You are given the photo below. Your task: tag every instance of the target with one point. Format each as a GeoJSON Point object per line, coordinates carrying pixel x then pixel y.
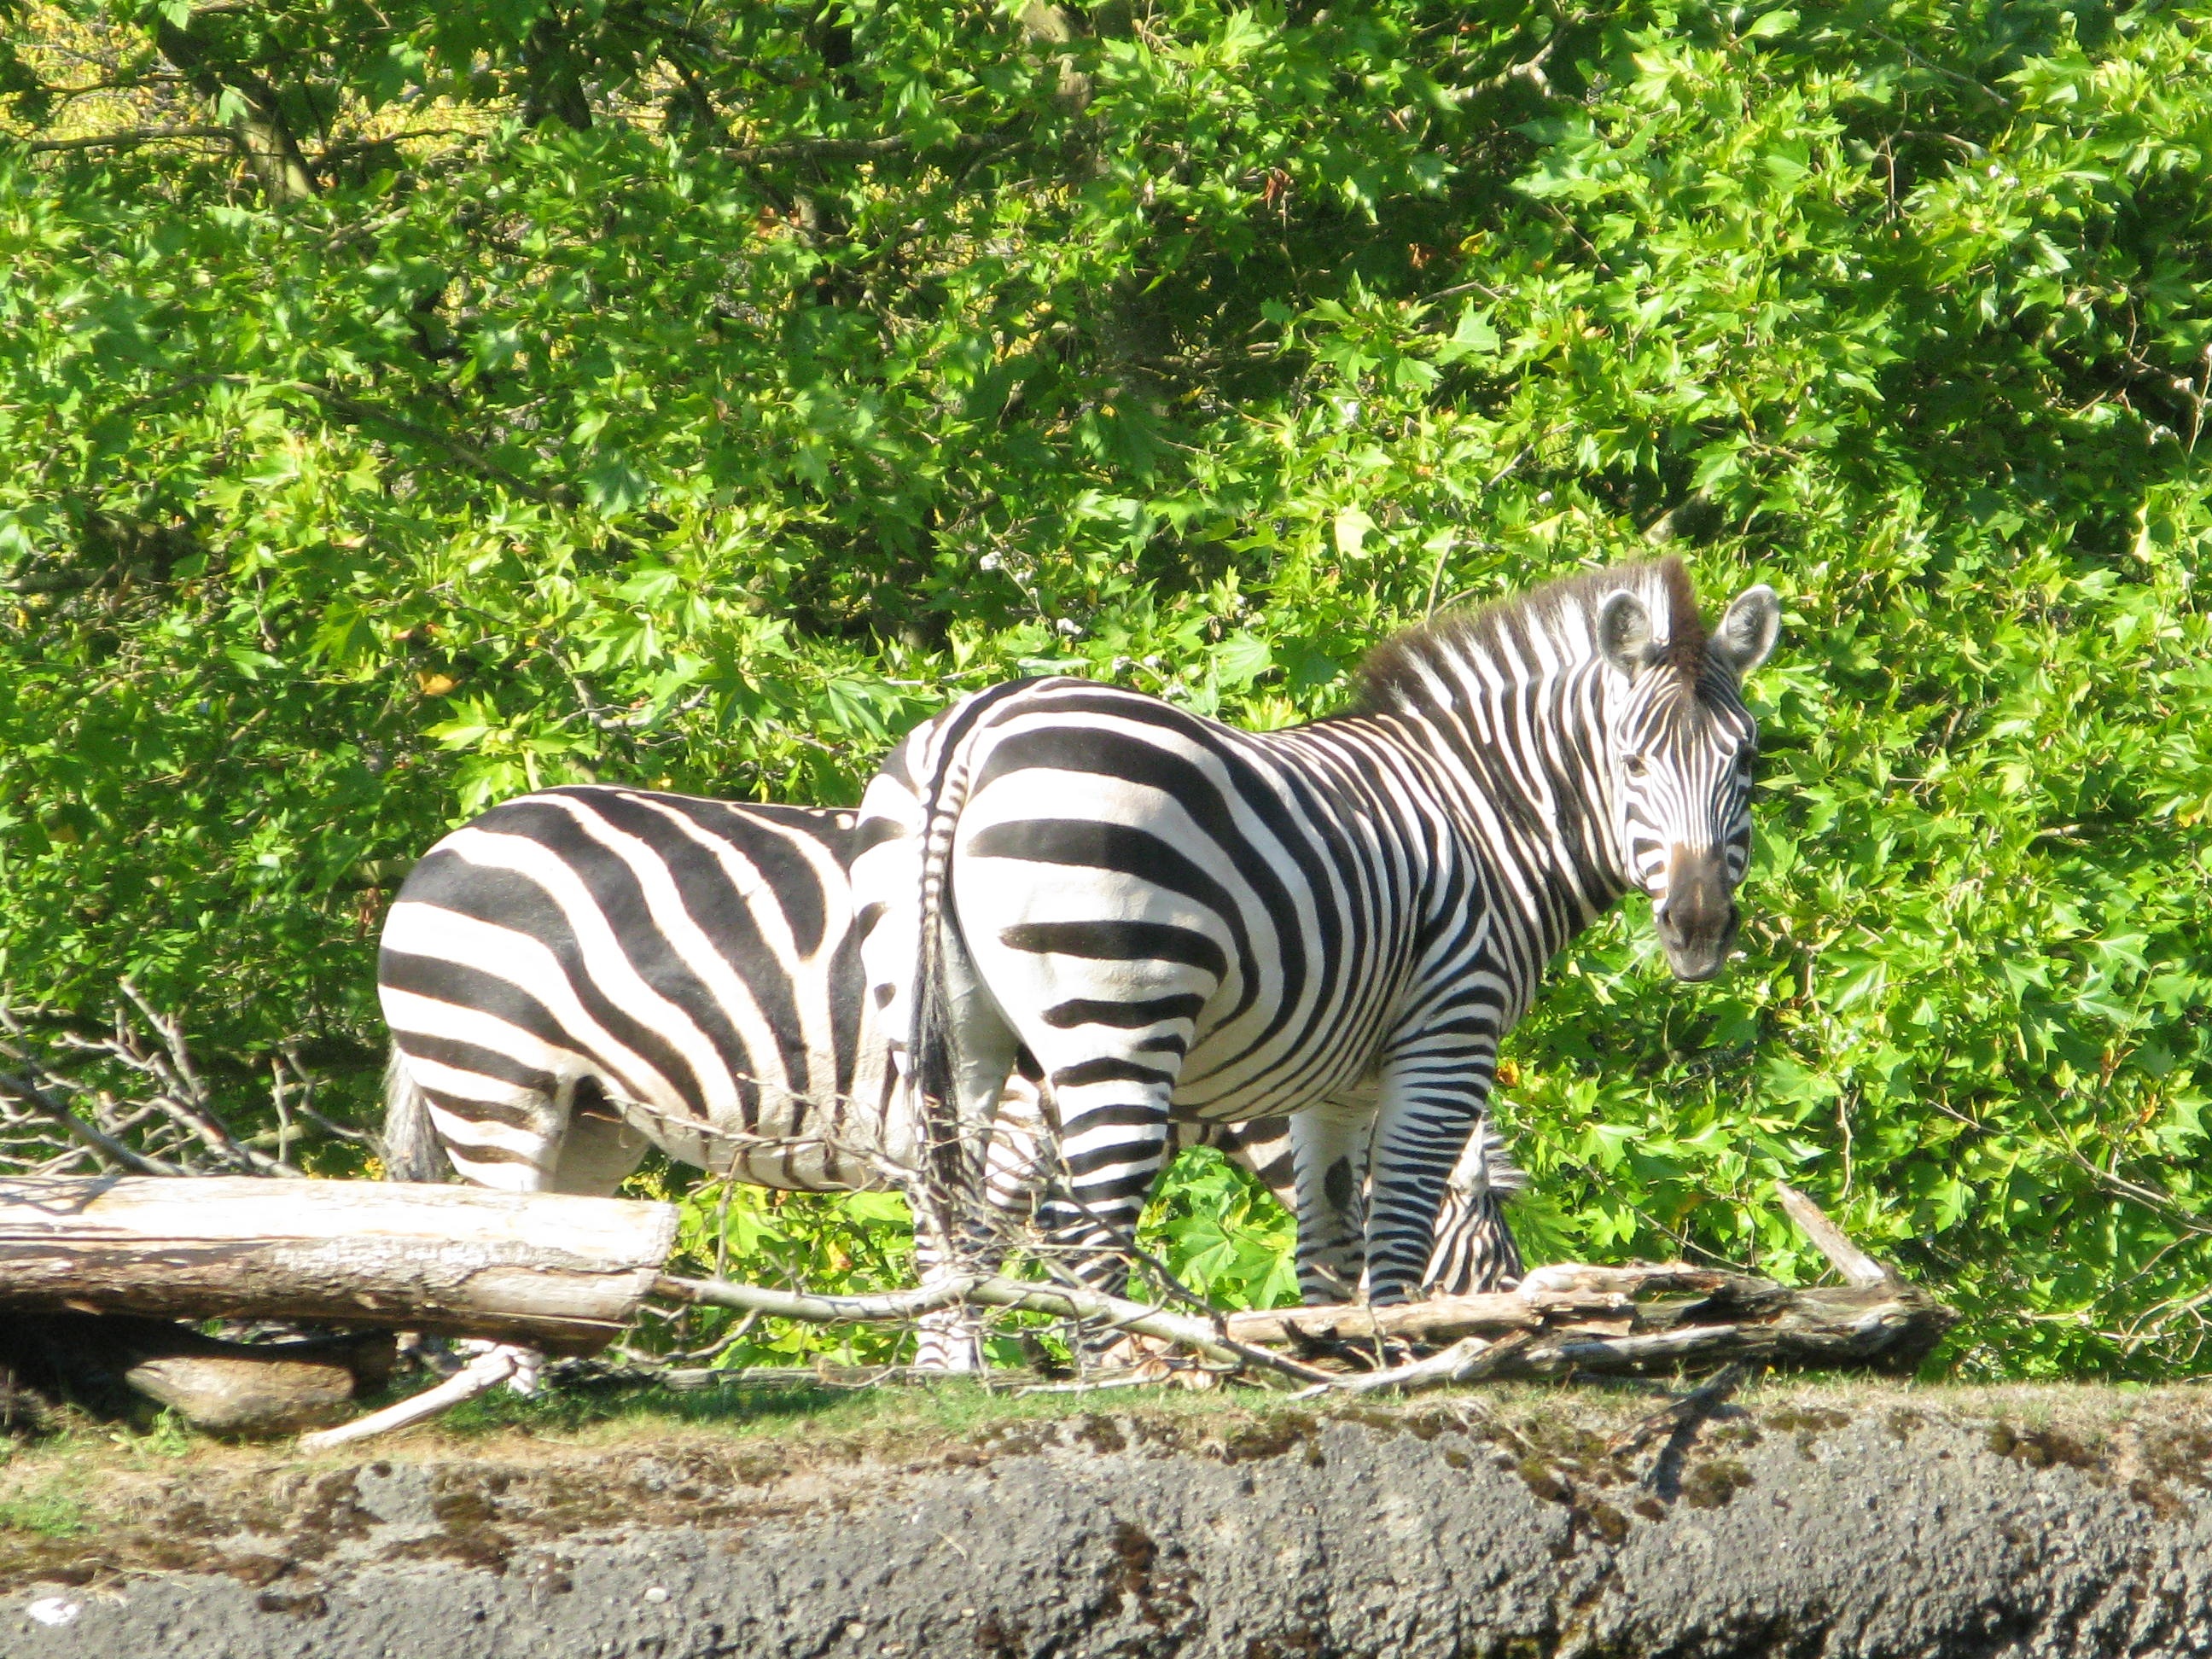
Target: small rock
{"type": "Point", "coordinates": [54, 1610]}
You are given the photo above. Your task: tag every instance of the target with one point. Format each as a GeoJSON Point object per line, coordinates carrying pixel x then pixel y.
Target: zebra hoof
{"type": "Point", "coordinates": [529, 1364]}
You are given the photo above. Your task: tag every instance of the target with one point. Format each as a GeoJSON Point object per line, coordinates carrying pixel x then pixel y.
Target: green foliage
{"type": "Point", "coordinates": [47, 1511]}
{"type": "Point", "coordinates": [1222, 1235]}
{"type": "Point", "coordinates": [854, 1242]}
{"type": "Point", "coordinates": [699, 396]}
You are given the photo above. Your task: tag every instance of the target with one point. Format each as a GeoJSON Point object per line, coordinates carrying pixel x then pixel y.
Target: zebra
{"type": "Point", "coordinates": [583, 973]}
{"type": "Point", "coordinates": [1338, 921]}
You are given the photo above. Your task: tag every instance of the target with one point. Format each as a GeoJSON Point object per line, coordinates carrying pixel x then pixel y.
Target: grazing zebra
{"type": "Point", "coordinates": [1339, 920]}
{"type": "Point", "coordinates": [585, 972]}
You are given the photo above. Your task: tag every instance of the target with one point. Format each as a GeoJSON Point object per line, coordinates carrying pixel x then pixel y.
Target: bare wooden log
{"type": "Point", "coordinates": [561, 1274]}
{"type": "Point", "coordinates": [1636, 1279]}
{"type": "Point", "coordinates": [1594, 1298]}
{"type": "Point", "coordinates": [1574, 1320]}
{"type": "Point", "coordinates": [1441, 1319]}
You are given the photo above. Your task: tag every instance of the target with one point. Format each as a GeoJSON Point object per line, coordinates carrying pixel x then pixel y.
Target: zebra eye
{"type": "Point", "coordinates": [1635, 765]}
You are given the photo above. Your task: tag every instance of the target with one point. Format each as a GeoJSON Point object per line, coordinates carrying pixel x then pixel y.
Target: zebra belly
{"type": "Point", "coordinates": [1230, 1094]}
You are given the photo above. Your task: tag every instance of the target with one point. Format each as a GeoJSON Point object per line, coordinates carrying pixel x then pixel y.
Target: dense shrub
{"type": "Point", "coordinates": [459, 399]}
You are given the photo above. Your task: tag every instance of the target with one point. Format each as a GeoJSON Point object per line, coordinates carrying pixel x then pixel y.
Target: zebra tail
{"type": "Point", "coordinates": [411, 1150]}
{"type": "Point", "coordinates": [932, 1036]}
{"type": "Point", "coordinates": [930, 1042]}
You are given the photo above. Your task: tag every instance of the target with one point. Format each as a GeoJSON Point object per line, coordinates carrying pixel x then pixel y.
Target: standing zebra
{"type": "Point", "coordinates": [585, 972]}
{"type": "Point", "coordinates": [1340, 920]}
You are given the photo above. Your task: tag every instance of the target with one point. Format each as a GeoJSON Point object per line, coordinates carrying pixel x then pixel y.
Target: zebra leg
{"type": "Point", "coordinates": [1429, 1106]}
{"type": "Point", "coordinates": [1474, 1248]}
{"type": "Point", "coordinates": [951, 1339]}
{"type": "Point", "coordinates": [1114, 1144]}
{"type": "Point", "coordinates": [1330, 1151]}
{"type": "Point", "coordinates": [500, 1134]}
{"type": "Point", "coordinates": [515, 1144]}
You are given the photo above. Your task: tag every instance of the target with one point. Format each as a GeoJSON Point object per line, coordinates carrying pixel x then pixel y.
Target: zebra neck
{"type": "Point", "coordinates": [1524, 765]}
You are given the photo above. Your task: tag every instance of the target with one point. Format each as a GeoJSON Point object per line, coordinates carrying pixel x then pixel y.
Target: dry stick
{"type": "Point", "coordinates": [184, 1095]}
{"type": "Point", "coordinates": [989, 1291]}
{"type": "Point", "coordinates": [1857, 1266]}
{"type": "Point", "coordinates": [125, 140]}
{"type": "Point", "coordinates": [22, 1088]}
{"type": "Point", "coordinates": [1468, 1360]}
{"type": "Point", "coordinates": [482, 1375]}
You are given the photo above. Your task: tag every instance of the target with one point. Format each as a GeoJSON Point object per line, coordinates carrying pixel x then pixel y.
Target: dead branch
{"type": "Point", "coordinates": [481, 1375]}
{"type": "Point", "coordinates": [565, 1274]}
{"type": "Point", "coordinates": [133, 1097]}
{"type": "Point", "coordinates": [1857, 1266]}
{"type": "Point", "coordinates": [1088, 1307]}
{"type": "Point", "coordinates": [127, 140]}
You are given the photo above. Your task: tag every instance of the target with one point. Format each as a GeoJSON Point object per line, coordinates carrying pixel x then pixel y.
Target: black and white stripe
{"type": "Point", "coordinates": [583, 973]}
{"type": "Point", "coordinates": [1340, 920]}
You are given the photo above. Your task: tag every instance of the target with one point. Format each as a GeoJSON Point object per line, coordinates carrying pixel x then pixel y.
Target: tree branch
{"type": "Point", "coordinates": [469, 456]}
{"type": "Point", "coordinates": [129, 139]}
{"type": "Point", "coordinates": [862, 149]}
{"type": "Point", "coordinates": [1857, 1266]}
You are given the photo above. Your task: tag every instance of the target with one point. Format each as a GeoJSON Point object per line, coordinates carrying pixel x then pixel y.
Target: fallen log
{"type": "Point", "coordinates": [1636, 1320]}
{"type": "Point", "coordinates": [1889, 1326]}
{"type": "Point", "coordinates": [562, 1274]}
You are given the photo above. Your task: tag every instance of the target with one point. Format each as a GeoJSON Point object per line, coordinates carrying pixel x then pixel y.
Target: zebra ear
{"type": "Point", "coordinates": [1747, 632]}
{"type": "Point", "coordinates": [1624, 633]}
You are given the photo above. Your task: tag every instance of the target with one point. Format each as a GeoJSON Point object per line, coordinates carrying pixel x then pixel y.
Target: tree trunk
{"type": "Point", "coordinates": [256, 115]}
{"type": "Point", "coordinates": [562, 1273]}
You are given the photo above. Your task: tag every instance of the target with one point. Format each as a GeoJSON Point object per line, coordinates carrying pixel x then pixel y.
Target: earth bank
{"type": "Point", "coordinates": [1809, 1519]}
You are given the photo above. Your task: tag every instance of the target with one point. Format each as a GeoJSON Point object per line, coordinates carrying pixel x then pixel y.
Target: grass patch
{"type": "Point", "coordinates": [46, 1511]}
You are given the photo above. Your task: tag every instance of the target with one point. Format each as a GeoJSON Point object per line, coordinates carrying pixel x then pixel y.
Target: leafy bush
{"type": "Point", "coordinates": [445, 400]}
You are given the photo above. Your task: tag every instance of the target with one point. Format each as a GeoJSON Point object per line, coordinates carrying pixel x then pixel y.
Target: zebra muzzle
{"type": "Point", "coordinates": [1696, 915]}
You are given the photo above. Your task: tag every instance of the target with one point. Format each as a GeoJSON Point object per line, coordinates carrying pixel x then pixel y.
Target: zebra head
{"type": "Point", "coordinates": [1680, 750]}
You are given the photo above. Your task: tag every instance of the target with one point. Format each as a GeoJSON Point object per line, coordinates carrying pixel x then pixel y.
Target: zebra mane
{"type": "Point", "coordinates": [1563, 611]}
